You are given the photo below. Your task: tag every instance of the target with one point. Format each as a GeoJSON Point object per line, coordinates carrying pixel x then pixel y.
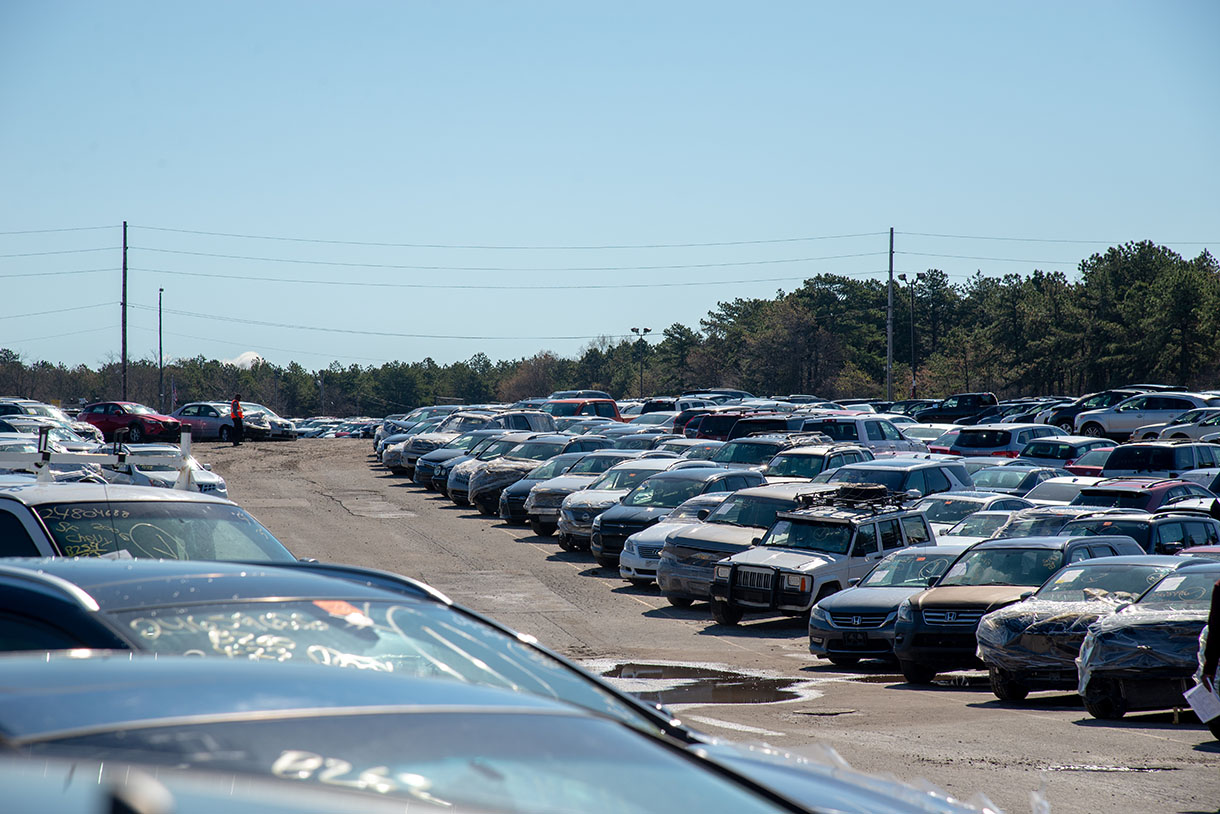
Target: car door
{"type": "Point", "coordinates": [864, 553]}
{"type": "Point", "coordinates": [1134, 413]}
{"type": "Point", "coordinates": [897, 441]}
{"type": "Point", "coordinates": [876, 437]}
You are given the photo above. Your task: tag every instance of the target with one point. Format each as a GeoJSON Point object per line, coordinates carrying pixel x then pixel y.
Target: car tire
{"type": "Point", "coordinates": [1104, 700]}
{"type": "Point", "coordinates": [225, 434]}
{"type": "Point", "coordinates": [1067, 426]}
{"type": "Point", "coordinates": [679, 601]}
{"type": "Point", "coordinates": [135, 433]}
{"type": "Point", "coordinates": [916, 673]}
{"type": "Point", "coordinates": [1005, 687]}
{"type": "Point", "coordinates": [1093, 430]}
{"type": "Point", "coordinates": [545, 529]}
{"type": "Point", "coordinates": [564, 540]}
{"type": "Point", "coordinates": [483, 508]}
{"type": "Point", "coordinates": [640, 582]}
{"type": "Point", "coordinates": [1214, 726]}
{"type": "Point", "coordinates": [843, 661]}
{"type": "Point", "coordinates": [724, 613]}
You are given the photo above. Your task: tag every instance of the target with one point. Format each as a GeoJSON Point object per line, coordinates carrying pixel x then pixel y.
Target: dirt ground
{"type": "Point", "coordinates": [331, 500]}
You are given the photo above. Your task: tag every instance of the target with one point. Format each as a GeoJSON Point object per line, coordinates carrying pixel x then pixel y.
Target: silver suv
{"type": "Point", "coordinates": [1121, 420]}
{"type": "Point", "coordinates": [834, 538]}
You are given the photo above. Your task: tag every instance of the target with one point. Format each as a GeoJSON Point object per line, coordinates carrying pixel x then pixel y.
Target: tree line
{"type": "Point", "coordinates": [1136, 313]}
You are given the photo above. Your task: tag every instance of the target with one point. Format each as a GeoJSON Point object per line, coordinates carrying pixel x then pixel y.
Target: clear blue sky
{"type": "Point", "coordinates": [558, 124]}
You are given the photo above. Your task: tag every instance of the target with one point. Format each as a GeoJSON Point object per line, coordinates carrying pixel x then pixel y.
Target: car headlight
{"type": "Point", "coordinates": [597, 523]}
{"type": "Point", "coordinates": [906, 613]}
{"type": "Point", "coordinates": [722, 573]}
{"type": "Point", "coordinates": [629, 547]}
{"type": "Point", "coordinates": [816, 614]}
{"type": "Point", "coordinates": [796, 582]}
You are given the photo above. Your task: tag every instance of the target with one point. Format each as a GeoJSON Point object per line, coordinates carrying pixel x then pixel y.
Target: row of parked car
{"type": "Point", "coordinates": [163, 650]}
{"type": "Point", "coordinates": [916, 557]}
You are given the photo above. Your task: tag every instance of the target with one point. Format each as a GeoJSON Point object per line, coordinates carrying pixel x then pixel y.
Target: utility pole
{"type": "Point", "coordinates": [123, 303]}
{"type": "Point", "coordinates": [160, 359]}
{"type": "Point", "coordinates": [889, 327]}
{"type": "Point", "coordinates": [914, 280]}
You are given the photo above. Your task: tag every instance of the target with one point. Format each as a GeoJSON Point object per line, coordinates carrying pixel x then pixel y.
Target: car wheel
{"type": "Point", "coordinates": [135, 433]}
{"type": "Point", "coordinates": [1104, 699]}
{"type": "Point", "coordinates": [225, 434]}
{"type": "Point", "coordinates": [545, 529]}
{"type": "Point", "coordinates": [564, 540]}
{"type": "Point", "coordinates": [1067, 426]}
{"type": "Point", "coordinates": [483, 508]}
{"type": "Point", "coordinates": [843, 661]}
{"type": "Point", "coordinates": [679, 601]}
{"type": "Point", "coordinates": [916, 673]}
{"type": "Point", "coordinates": [1093, 430]}
{"type": "Point", "coordinates": [724, 613]}
{"type": "Point", "coordinates": [640, 583]}
{"type": "Point", "coordinates": [1214, 726]}
{"type": "Point", "coordinates": [825, 591]}
{"type": "Point", "coordinates": [1005, 687]}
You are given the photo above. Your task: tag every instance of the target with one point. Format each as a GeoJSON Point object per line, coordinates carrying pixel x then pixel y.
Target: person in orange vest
{"type": "Point", "coordinates": [237, 415]}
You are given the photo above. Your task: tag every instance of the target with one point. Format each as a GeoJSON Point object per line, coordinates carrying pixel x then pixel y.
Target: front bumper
{"type": "Point", "coordinates": [828, 637]}
{"type": "Point", "coordinates": [773, 596]}
{"type": "Point", "coordinates": [685, 580]}
{"type": "Point", "coordinates": [945, 646]}
{"type": "Point", "coordinates": [633, 564]}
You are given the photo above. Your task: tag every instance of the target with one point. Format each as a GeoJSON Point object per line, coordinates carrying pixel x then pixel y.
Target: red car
{"type": "Point", "coordinates": [142, 424]}
{"type": "Point", "coordinates": [1091, 463]}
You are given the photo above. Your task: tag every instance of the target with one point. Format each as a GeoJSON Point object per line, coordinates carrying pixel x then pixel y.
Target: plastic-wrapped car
{"type": "Point", "coordinates": [1144, 656]}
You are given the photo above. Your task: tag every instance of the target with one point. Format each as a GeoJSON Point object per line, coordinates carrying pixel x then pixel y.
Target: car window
{"type": "Point", "coordinates": [24, 633]}
{"type": "Point", "coordinates": [15, 541]}
{"type": "Point", "coordinates": [916, 530]}
{"type": "Point", "coordinates": [891, 537]}
{"type": "Point", "coordinates": [873, 429]}
{"type": "Point", "coordinates": [915, 480]}
{"type": "Point", "coordinates": [604, 409]}
{"type": "Point", "coordinates": [935, 481]}
{"type": "Point", "coordinates": [890, 431]}
{"type": "Point", "coordinates": [866, 541]}
{"type": "Point", "coordinates": [1078, 554]}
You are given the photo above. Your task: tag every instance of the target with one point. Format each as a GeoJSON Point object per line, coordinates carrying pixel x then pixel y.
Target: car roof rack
{"type": "Point", "coordinates": [40, 462]}
{"type": "Point", "coordinates": [854, 496]}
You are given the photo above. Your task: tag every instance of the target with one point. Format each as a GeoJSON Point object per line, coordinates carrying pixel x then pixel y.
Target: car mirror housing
{"type": "Point", "coordinates": [703, 513]}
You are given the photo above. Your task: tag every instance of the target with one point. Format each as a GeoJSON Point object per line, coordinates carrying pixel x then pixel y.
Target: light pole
{"type": "Point", "coordinates": [160, 358]}
{"type": "Point", "coordinates": [914, 280]}
{"type": "Point", "coordinates": [640, 345]}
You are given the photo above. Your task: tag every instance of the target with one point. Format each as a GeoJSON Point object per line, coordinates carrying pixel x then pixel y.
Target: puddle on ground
{"type": "Point", "coordinates": [1088, 768]}
{"type": "Point", "coordinates": [673, 684]}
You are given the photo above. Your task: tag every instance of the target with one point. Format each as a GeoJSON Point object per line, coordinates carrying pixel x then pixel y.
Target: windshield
{"type": "Point", "coordinates": [891, 479]}
{"type": "Point", "coordinates": [747, 510]}
{"type": "Point", "coordinates": [561, 408]}
{"type": "Point", "coordinates": [160, 529]}
{"type": "Point", "coordinates": [838, 430]}
{"type": "Point", "coordinates": [700, 452]}
{"type": "Point", "coordinates": [1050, 491]}
{"type": "Point", "coordinates": [977, 525]}
{"type": "Point", "coordinates": [922, 433]}
{"type": "Point", "coordinates": [482, 445]}
{"type": "Point", "coordinates": [461, 423]}
{"type": "Point", "coordinates": [462, 442]}
{"type": "Point", "coordinates": [137, 409]}
{"type": "Point", "coordinates": [1085, 583]}
{"type": "Point", "coordinates": [535, 451]}
{"type": "Point", "coordinates": [419, 639]}
{"type": "Point", "coordinates": [594, 464]}
{"type": "Point", "coordinates": [1000, 477]}
{"type": "Point", "coordinates": [459, 760]}
{"type": "Point", "coordinates": [908, 571]}
{"type": "Point", "coordinates": [1004, 566]}
{"type": "Point", "coordinates": [1138, 530]}
{"type": "Point", "coordinates": [1181, 592]}
{"type": "Point", "coordinates": [143, 466]}
{"type": "Point", "coordinates": [551, 469]}
{"type": "Point", "coordinates": [734, 453]}
{"type": "Point", "coordinates": [795, 466]}
{"type": "Point", "coordinates": [947, 509]}
{"type": "Point", "coordinates": [1037, 526]}
{"type": "Point", "coordinates": [496, 448]}
{"type": "Point", "coordinates": [828, 538]}
{"type": "Point", "coordinates": [1117, 499]}
{"type": "Point", "coordinates": [1141, 459]}
{"type": "Point", "coordinates": [653, 418]}
{"type": "Point", "coordinates": [691, 508]}
{"type": "Point", "coordinates": [666, 493]}
{"type": "Point", "coordinates": [627, 478]}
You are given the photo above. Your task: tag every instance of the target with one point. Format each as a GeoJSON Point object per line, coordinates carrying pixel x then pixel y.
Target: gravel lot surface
{"type": "Point", "coordinates": [331, 500]}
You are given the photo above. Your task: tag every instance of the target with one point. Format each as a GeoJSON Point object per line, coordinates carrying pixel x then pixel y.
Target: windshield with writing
{"type": "Point", "coordinates": [747, 510]}
{"type": "Point", "coordinates": [828, 538]}
{"type": "Point", "coordinates": [413, 639]}
{"type": "Point", "coordinates": [1083, 583]}
{"type": "Point", "coordinates": [1004, 566]}
{"type": "Point", "coordinates": [160, 529]}
{"type": "Point", "coordinates": [795, 466]}
{"type": "Point", "coordinates": [622, 479]}
{"type": "Point", "coordinates": [908, 570]}
{"type": "Point", "coordinates": [1181, 592]}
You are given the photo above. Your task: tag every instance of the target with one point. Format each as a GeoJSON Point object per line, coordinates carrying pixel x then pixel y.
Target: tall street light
{"type": "Point", "coordinates": [914, 280]}
{"type": "Point", "coordinates": [640, 345]}
{"type": "Point", "coordinates": [160, 358]}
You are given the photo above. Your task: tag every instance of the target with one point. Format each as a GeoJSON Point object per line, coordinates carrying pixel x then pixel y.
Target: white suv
{"type": "Point", "coordinates": [878, 434]}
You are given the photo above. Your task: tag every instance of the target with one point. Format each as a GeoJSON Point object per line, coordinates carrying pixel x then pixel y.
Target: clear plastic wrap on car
{"type": "Point", "coordinates": [1136, 643]}
{"type": "Point", "coordinates": [1038, 634]}
{"type": "Point", "coordinates": [500, 473]}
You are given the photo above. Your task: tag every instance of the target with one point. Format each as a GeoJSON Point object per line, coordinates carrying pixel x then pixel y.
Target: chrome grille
{"type": "Point", "coordinates": [649, 552]}
{"type": "Point", "coordinates": [548, 500]}
{"type": "Point", "coordinates": [857, 619]}
{"type": "Point", "coordinates": [952, 617]}
{"type": "Point", "coordinates": [760, 578]}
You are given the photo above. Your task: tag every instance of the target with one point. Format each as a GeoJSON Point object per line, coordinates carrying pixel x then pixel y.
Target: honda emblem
{"type": "Point", "coordinates": [855, 621]}
{"type": "Point", "coordinates": [951, 616]}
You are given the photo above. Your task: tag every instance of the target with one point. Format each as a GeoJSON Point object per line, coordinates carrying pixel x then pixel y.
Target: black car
{"type": "Point", "coordinates": [655, 498]}
{"type": "Point", "coordinates": [961, 405]}
{"type": "Point", "coordinates": [512, 497]}
{"type": "Point", "coordinates": [1064, 417]}
{"type": "Point", "coordinates": [426, 465]}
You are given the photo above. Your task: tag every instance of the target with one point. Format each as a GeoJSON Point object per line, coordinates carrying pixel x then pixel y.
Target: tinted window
{"type": "Point", "coordinates": [15, 541]}
{"type": "Point", "coordinates": [891, 479]}
{"type": "Point", "coordinates": [838, 430]}
{"type": "Point", "coordinates": [874, 431]}
{"type": "Point", "coordinates": [605, 409]}
{"type": "Point", "coordinates": [1140, 458]}
{"type": "Point", "coordinates": [915, 480]}
{"type": "Point", "coordinates": [935, 481]}
{"type": "Point", "coordinates": [23, 633]}
{"type": "Point", "coordinates": [980, 439]}
{"type": "Point", "coordinates": [891, 537]}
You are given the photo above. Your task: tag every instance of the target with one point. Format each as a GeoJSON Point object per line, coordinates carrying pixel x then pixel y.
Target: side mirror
{"type": "Point", "coordinates": [1025, 595]}
{"type": "Point", "coordinates": [932, 581]}
{"type": "Point", "coordinates": [853, 582]}
{"type": "Point", "coordinates": [208, 467]}
{"type": "Point", "coordinates": [913, 494]}
{"type": "Point", "coordinates": [756, 541]}
{"type": "Point", "coordinates": [703, 513]}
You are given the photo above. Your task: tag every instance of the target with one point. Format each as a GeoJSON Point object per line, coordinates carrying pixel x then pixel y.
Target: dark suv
{"type": "Point", "coordinates": [962, 405]}
{"type": "Point", "coordinates": [1064, 417]}
{"type": "Point", "coordinates": [1165, 459]}
{"type": "Point", "coordinates": [1165, 531]}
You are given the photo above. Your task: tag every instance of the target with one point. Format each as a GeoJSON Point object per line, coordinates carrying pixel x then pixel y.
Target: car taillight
{"type": "Point", "coordinates": [1004, 454]}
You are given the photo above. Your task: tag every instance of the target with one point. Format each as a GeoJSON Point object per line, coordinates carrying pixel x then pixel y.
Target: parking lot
{"type": "Point", "coordinates": [331, 500]}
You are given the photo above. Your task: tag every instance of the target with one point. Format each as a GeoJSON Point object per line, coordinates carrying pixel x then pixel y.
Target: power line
{"type": "Point", "coordinates": [512, 269]}
{"type": "Point", "coordinates": [456, 286]}
{"type": "Point", "coordinates": [511, 247]}
{"type": "Point", "coordinates": [992, 259]}
{"type": "Point", "coordinates": [1052, 239]}
{"type": "Point", "coordinates": [64, 251]}
{"type": "Point", "coordinates": [59, 310]}
{"type": "Point", "coordinates": [62, 229]}
{"type": "Point", "coordinates": [57, 335]}
{"type": "Point", "coordinates": [246, 345]}
{"type": "Point", "coordinates": [266, 324]}
{"type": "Point", "coordinates": [53, 273]}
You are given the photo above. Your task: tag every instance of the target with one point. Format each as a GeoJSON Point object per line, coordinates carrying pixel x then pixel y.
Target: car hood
{"type": "Point", "coordinates": [1038, 634]}
{"type": "Point", "coordinates": [716, 537]}
{"type": "Point", "coordinates": [566, 483]}
{"type": "Point", "coordinates": [789, 558]}
{"type": "Point", "coordinates": [521, 487]}
{"type": "Point", "coordinates": [658, 533]}
{"type": "Point", "coordinates": [970, 596]}
{"type": "Point", "coordinates": [867, 600]}
{"type": "Point", "coordinates": [634, 514]}
{"type": "Point", "coordinates": [500, 473]}
{"type": "Point", "coordinates": [432, 440]}
{"type": "Point", "coordinates": [438, 455]}
{"type": "Point", "coordinates": [1142, 644]}
{"type": "Point", "coordinates": [593, 499]}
